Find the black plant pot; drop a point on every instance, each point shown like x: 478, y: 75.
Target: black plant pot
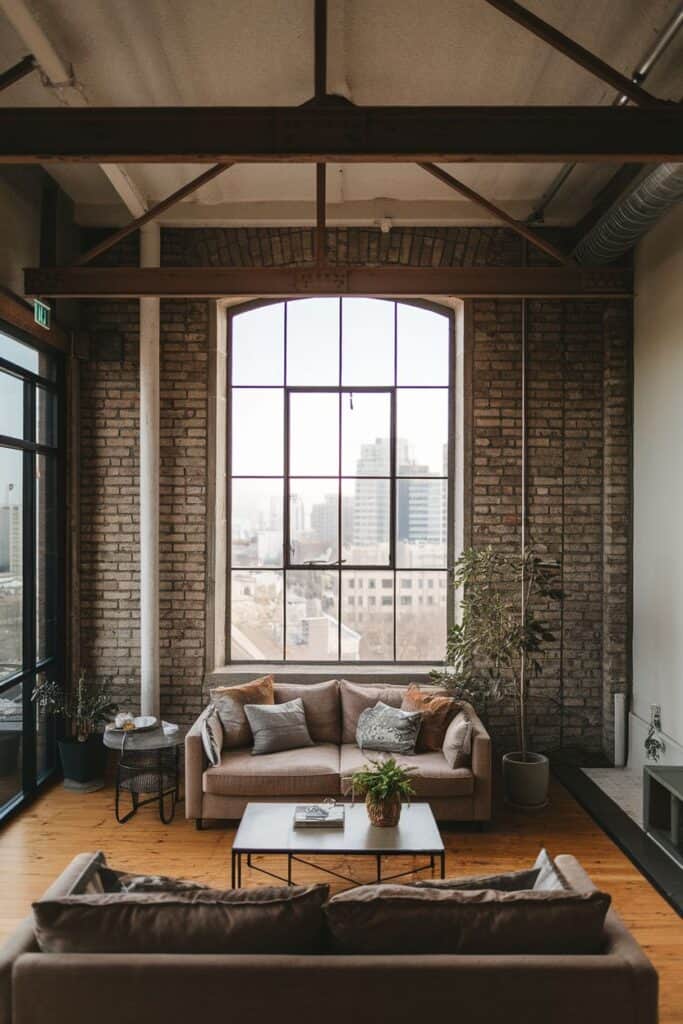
x: 83, y: 763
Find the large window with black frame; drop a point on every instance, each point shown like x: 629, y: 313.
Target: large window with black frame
x: 30, y: 577
x: 341, y: 470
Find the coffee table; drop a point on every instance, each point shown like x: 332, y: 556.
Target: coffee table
x: 269, y: 829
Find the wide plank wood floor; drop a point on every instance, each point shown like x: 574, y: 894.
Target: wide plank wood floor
x: 38, y: 843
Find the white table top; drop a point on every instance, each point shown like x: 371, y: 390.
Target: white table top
x: 269, y: 828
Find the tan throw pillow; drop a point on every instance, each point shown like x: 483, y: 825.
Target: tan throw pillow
x: 230, y: 701
x: 457, y: 743
x: 390, y: 919
x: 437, y: 711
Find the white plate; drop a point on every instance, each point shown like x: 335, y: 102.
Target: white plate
x: 143, y: 723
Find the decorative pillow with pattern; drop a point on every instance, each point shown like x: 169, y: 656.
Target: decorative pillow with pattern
x: 212, y: 735
x: 126, y: 881
x: 388, y: 729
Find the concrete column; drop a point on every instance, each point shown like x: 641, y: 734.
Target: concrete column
x: 149, y: 483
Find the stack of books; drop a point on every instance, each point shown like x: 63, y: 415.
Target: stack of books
x: 319, y: 816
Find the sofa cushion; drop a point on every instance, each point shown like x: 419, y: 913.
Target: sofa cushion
x: 356, y: 698
x: 113, y: 880
x: 321, y: 704
x: 230, y: 701
x: 388, y: 729
x: 550, y: 878
x: 506, y: 881
x: 280, y: 919
x: 457, y: 743
x: 212, y: 735
x: 437, y: 711
x: 388, y: 919
x: 308, y: 771
x: 278, y: 726
x: 433, y: 776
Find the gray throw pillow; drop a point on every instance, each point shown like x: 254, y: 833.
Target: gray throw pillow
x: 388, y: 729
x: 278, y: 726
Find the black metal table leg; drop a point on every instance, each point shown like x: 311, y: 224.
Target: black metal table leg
x: 443, y: 865
x: 379, y: 867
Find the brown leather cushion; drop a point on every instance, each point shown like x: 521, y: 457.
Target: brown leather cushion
x: 437, y: 710
x: 321, y: 706
x: 307, y: 771
x: 268, y: 920
x: 230, y: 701
x: 433, y: 778
x: 356, y: 698
x: 379, y: 919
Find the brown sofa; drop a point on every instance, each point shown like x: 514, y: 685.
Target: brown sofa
x: 619, y: 984
x: 324, y: 770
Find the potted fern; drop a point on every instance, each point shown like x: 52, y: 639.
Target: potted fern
x: 497, y: 649
x: 384, y: 785
x: 83, y: 712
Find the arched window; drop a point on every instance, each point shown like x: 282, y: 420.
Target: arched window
x: 341, y: 455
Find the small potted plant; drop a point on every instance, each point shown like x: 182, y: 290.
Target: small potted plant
x: 82, y: 752
x: 384, y: 785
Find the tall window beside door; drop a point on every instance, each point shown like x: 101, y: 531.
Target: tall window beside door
x: 341, y: 467
x: 31, y: 598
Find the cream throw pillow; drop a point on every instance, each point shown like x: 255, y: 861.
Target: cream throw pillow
x: 457, y: 743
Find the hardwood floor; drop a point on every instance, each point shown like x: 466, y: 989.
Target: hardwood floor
x: 37, y: 844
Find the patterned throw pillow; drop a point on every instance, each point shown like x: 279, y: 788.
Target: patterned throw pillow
x: 388, y: 729
x: 437, y: 711
x: 125, y: 881
x: 212, y: 735
x: 230, y: 701
x: 457, y: 743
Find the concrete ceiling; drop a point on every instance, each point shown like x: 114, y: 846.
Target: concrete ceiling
x: 260, y: 52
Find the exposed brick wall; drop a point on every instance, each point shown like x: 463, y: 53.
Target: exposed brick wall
x: 578, y: 431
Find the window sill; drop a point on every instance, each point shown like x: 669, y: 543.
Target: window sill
x: 317, y: 673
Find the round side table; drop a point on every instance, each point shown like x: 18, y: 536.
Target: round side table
x: 148, y: 767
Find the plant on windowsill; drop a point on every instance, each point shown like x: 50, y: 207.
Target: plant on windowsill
x: 384, y: 785
x: 83, y: 713
x: 497, y: 648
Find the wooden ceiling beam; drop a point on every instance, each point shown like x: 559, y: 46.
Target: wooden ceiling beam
x: 18, y: 71
x: 520, y: 228
x: 219, y: 282
x: 345, y: 134
x: 155, y: 211
x: 574, y: 51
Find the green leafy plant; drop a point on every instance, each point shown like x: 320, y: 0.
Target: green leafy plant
x: 83, y: 711
x: 381, y: 780
x: 498, y: 645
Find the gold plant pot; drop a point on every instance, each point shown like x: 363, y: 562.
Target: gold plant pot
x: 384, y: 813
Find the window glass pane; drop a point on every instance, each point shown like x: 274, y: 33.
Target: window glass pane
x: 367, y: 342
x: 366, y: 517
x: 258, y: 345
x: 46, y: 417
x: 368, y: 615
x: 256, y: 521
x: 11, y: 560
x: 366, y: 431
x: 313, y: 434
x: 27, y: 357
x: 11, y: 405
x: 11, y: 718
x: 47, y: 581
x: 421, y: 616
x: 257, y: 432
x: 421, y: 346
x: 313, y: 342
x: 313, y: 521
x: 255, y: 616
x: 421, y: 517
x: 45, y: 733
x: 422, y: 432
x: 312, y: 615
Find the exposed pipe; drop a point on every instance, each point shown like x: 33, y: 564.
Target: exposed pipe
x: 640, y: 73
x: 632, y: 216
x: 59, y: 76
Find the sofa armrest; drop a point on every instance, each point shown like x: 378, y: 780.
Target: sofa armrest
x: 481, y: 769
x: 195, y: 764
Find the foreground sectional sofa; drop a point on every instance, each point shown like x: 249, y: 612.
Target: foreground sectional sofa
x: 324, y: 770
x: 617, y: 984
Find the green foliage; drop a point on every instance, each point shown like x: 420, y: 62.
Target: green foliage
x: 83, y: 710
x: 380, y: 780
x: 499, y: 642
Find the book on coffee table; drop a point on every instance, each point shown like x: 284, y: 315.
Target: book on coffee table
x: 319, y: 816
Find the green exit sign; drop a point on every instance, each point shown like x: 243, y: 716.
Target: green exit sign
x: 41, y: 313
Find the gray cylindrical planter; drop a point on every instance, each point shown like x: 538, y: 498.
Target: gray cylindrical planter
x: 526, y: 779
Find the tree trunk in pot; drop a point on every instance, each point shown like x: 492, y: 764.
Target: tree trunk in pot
x: 526, y: 778
x: 384, y: 813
